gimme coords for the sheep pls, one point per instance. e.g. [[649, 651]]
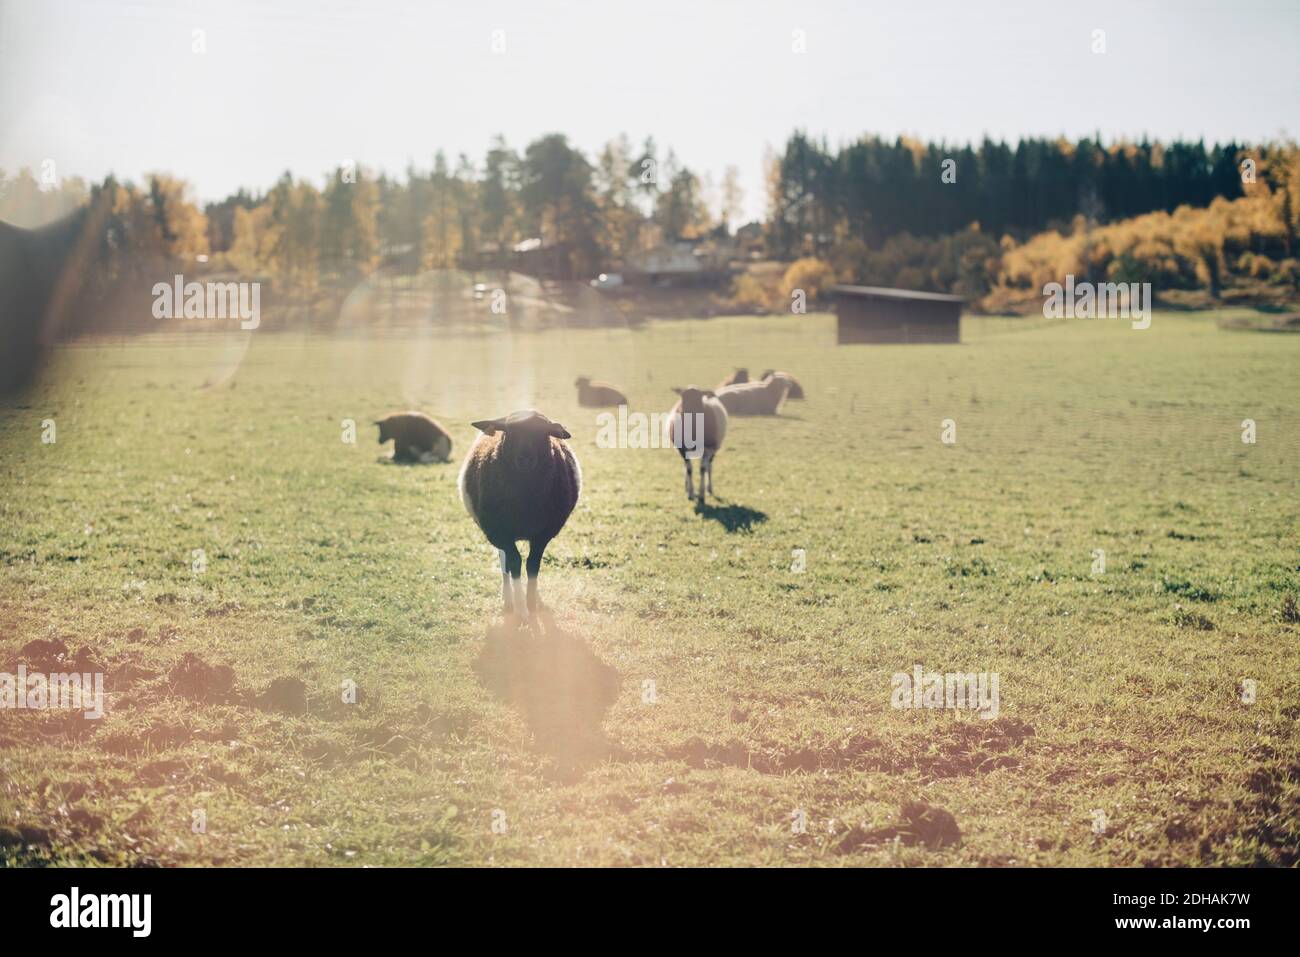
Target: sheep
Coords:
[[755, 398], [597, 394], [796, 390], [416, 437], [737, 377], [41, 273], [520, 482], [697, 426]]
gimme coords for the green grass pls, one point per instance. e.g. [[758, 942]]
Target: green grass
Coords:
[[1120, 692]]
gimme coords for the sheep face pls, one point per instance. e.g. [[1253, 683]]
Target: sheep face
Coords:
[[582, 381], [693, 399], [525, 437], [383, 431]]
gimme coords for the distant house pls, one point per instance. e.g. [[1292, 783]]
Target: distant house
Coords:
[[876, 314], [716, 252], [749, 240], [399, 258], [542, 258], [666, 262]]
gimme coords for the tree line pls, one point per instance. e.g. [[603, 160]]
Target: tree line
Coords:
[[898, 212], [873, 189]]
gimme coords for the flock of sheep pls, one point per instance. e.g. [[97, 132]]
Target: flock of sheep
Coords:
[[520, 481]]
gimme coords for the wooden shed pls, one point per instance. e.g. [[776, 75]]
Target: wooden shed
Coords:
[[876, 314]]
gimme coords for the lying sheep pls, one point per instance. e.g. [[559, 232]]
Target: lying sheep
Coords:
[[796, 390], [520, 482], [697, 426], [737, 377], [416, 437], [755, 398], [597, 394]]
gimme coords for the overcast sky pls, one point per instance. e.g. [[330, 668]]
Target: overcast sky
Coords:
[[104, 85]]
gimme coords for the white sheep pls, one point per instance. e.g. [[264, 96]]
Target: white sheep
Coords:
[[755, 398], [796, 390], [697, 426]]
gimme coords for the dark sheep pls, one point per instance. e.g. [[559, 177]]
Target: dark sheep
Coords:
[[41, 273], [737, 377], [598, 394], [520, 482], [416, 437]]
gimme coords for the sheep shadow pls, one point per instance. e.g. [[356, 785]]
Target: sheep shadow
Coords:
[[734, 518], [389, 460], [559, 686]]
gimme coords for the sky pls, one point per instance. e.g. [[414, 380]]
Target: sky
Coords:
[[104, 85]]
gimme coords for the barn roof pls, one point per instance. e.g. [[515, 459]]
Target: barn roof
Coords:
[[881, 292]]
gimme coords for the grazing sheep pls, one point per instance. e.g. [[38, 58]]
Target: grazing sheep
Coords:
[[520, 482], [755, 398], [796, 390], [598, 394], [699, 436], [737, 377], [416, 437]]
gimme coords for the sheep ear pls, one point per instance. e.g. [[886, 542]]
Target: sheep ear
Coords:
[[490, 426], [677, 389], [559, 431], [709, 394]]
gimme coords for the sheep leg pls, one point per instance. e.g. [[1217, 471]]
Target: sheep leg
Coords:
[[706, 466], [690, 485], [507, 599], [535, 549], [514, 565]]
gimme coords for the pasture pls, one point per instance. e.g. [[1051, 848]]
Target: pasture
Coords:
[[695, 700]]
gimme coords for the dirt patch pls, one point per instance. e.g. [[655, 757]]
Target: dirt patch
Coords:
[[129, 674], [157, 773], [194, 678], [966, 747], [286, 695], [921, 824], [54, 655], [222, 610]]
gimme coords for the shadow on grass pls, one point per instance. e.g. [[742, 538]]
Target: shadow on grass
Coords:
[[734, 518], [557, 683], [389, 460]]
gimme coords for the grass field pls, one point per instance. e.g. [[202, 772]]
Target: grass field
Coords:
[[694, 700]]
